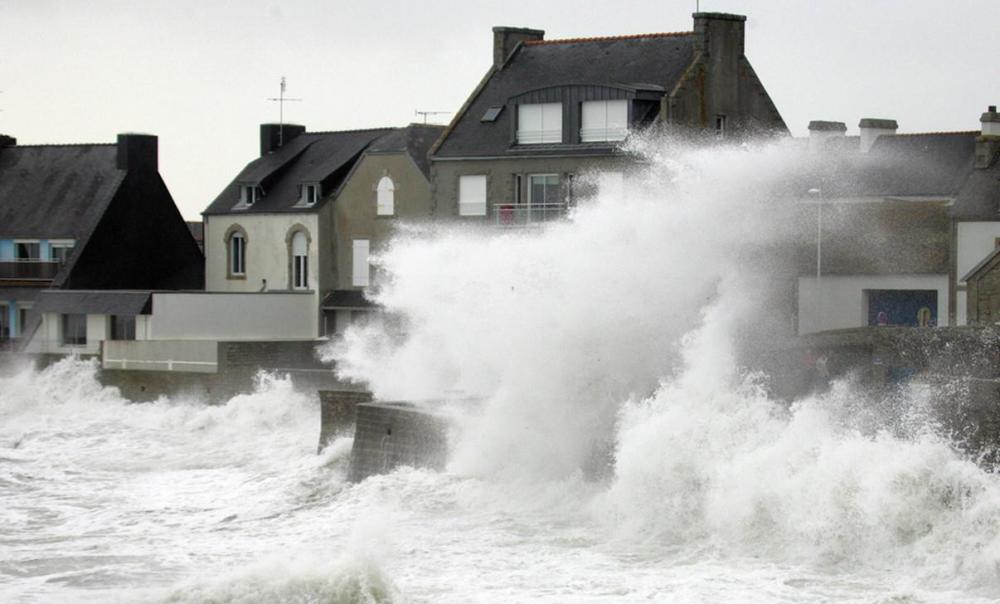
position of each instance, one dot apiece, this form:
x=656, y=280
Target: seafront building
x=548, y=113
x=83, y=220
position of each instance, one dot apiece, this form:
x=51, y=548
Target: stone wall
x=338, y=413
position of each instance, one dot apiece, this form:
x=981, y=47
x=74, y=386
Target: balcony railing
x=29, y=270
x=527, y=214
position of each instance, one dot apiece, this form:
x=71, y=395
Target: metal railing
x=29, y=270
x=527, y=214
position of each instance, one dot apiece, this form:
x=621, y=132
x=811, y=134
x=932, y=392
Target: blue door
x=914, y=307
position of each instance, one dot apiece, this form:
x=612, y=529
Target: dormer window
x=604, y=121
x=249, y=194
x=310, y=194
x=539, y=123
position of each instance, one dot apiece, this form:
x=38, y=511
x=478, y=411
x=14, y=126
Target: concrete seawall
x=390, y=435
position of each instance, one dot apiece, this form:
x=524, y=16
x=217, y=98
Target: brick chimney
x=720, y=34
x=872, y=128
x=988, y=142
x=506, y=39
x=820, y=132
x=137, y=152
x=273, y=136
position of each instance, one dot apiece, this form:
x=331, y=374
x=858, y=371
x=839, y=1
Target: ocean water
x=619, y=451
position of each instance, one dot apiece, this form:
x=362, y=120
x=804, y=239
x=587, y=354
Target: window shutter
x=472, y=195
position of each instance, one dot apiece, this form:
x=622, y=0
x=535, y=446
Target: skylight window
x=492, y=114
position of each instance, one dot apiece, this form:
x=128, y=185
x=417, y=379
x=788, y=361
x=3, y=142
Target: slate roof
x=117, y=302
x=323, y=157
x=979, y=198
x=55, y=191
x=647, y=59
x=415, y=139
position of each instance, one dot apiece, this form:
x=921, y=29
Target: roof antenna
x=426, y=113
x=281, y=99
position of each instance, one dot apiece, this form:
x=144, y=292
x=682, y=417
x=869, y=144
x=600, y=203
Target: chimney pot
x=872, y=128
x=990, y=121
x=820, y=131
x=506, y=39
x=274, y=136
x=137, y=152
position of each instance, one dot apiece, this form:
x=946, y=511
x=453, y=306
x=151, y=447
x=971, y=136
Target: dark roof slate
x=415, y=140
x=55, y=191
x=656, y=60
x=324, y=157
x=118, y=302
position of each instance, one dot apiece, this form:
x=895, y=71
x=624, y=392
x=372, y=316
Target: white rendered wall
x=961, y=318
x=842, y=304
x=266, y=254
x=48, y=337
x=235, y=316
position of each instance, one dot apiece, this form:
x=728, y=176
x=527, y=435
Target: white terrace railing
x=527, y=214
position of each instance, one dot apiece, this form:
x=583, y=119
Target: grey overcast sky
x=197, y=72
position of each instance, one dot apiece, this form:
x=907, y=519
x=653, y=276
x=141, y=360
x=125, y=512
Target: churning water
x=613, y=341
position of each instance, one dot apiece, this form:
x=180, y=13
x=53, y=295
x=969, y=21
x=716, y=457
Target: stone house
x=551, y=111
x=85, y=217
x=304, y=216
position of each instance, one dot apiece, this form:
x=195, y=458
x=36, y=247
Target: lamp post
x=817, y=195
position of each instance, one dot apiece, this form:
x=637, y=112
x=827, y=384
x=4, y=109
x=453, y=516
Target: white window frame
x=37, y=242
x=62, y=244
x=249, y=194
x=385, y=197
x=360, y=266
x=602, y=129
x=472, y=194
x=231, y=255
x=534, y=202
x=300, y=262
x=539, y=123
x=310, y=194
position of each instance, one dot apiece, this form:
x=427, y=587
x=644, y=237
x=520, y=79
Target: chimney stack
x=274, y=136
x=137, y=152
x=506, y=39
x=872, y=128
x=719, y=34
x=820, y=132
x=988, y=143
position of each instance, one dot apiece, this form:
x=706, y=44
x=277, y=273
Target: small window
x=359, y=274
x=27, y=250
x=237, y=254
x=122, y=327
x=385, y=197
x=472, y=195
x=74, y=330
x=492, y=114
x=603, y=121
x=300, y=261
x=539, y=123
x=543, y=189
x=310, y=194
x=249, y=194
x=60, y=252
x=720, y=126
x=22, y=320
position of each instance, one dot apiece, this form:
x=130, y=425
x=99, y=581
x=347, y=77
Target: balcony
x=527, y=214
x=36, y=271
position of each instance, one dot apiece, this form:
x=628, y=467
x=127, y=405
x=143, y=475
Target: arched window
x=237, y=254
x=385, y=193
x=300, y=261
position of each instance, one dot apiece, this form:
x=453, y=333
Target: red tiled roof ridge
x=673, y=34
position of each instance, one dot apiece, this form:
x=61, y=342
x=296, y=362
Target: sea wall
x=390, y=435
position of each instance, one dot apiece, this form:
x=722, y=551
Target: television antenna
x=424, y=114
x=282, y=99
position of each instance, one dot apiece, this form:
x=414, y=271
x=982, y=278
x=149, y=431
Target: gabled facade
x=304, y=217
x=551, y=111
x=95, y=217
